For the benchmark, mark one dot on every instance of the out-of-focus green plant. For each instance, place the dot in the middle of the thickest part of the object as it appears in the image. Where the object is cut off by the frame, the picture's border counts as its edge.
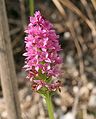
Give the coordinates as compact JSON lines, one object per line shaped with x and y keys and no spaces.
{"x":31,"y":7}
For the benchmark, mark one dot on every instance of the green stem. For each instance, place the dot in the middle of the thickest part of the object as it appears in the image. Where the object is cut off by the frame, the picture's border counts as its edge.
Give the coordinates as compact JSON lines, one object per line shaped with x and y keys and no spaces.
{"x":31,"y":6}
{"x":49,"y":105}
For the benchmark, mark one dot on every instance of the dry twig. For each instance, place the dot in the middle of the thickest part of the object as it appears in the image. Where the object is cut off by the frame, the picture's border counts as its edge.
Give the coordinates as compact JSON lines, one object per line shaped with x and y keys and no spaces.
{"x":76,"y":10}
{"x":59,"y":7}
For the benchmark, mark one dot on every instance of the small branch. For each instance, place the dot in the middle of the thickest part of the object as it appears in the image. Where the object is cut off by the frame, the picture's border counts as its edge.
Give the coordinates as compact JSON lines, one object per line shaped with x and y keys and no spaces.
{"x":17,"y":39}
{"x":16,"y":22}
{"x":59,"y":7}
{"x":76,"y":101}
{"x":73,"y":8}
{"x":7,"y":69}
{"x":94,"y":3}
{"x":23,"y":15}
{"x":15,"y":30}
{"x":71,"y":27}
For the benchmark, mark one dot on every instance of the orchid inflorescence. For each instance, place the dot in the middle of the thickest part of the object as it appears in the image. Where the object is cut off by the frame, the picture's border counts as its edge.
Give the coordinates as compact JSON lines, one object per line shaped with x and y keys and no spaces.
{"x":42,"y":59}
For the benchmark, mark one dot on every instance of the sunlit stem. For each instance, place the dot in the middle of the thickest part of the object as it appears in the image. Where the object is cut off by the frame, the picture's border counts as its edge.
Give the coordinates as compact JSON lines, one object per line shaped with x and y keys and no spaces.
{"x":49,"y":105}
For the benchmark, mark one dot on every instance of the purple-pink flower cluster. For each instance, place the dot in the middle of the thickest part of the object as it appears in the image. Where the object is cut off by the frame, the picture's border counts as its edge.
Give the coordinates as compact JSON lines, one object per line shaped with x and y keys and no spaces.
{"x":42,"y":49}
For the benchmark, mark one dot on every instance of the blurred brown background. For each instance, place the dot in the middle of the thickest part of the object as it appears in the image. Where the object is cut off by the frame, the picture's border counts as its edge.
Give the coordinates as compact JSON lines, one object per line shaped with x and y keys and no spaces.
{"x":75,"y":22}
